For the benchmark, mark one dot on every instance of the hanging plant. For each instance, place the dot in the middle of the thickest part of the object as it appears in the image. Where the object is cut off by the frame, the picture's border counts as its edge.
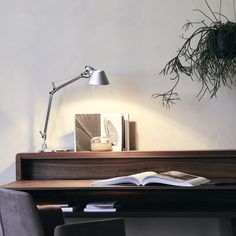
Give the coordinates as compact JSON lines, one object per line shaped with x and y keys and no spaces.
{"x":208,"y":55}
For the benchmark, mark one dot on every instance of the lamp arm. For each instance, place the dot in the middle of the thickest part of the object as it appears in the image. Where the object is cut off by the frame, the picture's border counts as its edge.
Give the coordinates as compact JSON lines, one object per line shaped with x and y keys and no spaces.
{"x":51,"y":93}
{"x":55,"y":89}
{"x":86,"y":74}
{"x":44,"y":133}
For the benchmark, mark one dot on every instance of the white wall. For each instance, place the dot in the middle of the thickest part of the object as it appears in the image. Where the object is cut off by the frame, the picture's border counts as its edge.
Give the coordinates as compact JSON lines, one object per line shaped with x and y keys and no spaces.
{"x":44,"y":41}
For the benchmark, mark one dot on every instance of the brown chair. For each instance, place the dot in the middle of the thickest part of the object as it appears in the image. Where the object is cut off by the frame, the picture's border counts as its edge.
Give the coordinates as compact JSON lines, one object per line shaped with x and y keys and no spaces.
{"x":19,"y":216}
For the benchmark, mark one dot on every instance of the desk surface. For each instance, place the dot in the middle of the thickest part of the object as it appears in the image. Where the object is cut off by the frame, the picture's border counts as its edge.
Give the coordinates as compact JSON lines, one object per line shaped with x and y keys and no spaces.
{"x":155,"y":200}
{"x":86,"y":185}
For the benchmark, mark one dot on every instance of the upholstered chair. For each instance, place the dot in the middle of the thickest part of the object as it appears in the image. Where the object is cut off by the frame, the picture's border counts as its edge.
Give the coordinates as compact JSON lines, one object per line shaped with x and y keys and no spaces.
{"x":19,"y":216}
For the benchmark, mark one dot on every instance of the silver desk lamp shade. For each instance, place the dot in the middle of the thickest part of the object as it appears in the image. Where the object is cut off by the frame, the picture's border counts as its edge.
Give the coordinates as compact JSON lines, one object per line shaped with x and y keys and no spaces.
{"x":94,"y":76}
{"x":98,"y":77}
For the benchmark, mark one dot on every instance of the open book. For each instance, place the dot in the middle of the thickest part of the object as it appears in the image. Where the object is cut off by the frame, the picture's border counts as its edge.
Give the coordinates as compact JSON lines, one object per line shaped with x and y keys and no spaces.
{"x":175,"y":178}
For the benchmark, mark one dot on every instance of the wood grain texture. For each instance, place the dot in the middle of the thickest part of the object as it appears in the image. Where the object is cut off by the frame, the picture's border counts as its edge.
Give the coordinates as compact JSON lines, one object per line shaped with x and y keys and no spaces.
{"x":99,"y":165}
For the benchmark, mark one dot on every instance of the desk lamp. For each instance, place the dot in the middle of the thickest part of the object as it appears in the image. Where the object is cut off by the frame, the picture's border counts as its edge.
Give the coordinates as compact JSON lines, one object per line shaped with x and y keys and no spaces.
{"x":96,"y":77}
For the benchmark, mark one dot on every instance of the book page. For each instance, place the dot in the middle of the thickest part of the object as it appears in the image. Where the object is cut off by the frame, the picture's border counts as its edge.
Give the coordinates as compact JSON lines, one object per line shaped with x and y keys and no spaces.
{"x":178,"y":176}
{"x":130,"y":179}
{"x":170,"y":178}
{"x":117,"y":180}
{"x":175,"y":178}
{"x":141,"y":176}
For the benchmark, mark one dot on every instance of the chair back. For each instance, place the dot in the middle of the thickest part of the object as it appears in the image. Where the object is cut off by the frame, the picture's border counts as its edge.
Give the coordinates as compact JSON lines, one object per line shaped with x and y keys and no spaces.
{"x":18,"y":214}
{"x":106,"y":227}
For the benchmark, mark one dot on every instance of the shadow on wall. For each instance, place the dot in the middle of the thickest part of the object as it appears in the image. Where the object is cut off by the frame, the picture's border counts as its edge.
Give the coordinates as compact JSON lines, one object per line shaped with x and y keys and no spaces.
{"x":8,"y":174}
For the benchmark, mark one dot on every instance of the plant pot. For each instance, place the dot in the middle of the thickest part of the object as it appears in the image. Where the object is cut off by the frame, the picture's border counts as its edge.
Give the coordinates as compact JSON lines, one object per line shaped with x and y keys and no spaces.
{"x":224,"y":41}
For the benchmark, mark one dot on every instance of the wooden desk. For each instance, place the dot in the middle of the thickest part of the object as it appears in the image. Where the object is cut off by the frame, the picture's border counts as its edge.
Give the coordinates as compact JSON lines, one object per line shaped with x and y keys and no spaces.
{"x":66,"y":177}
{"x":205,"y":200}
